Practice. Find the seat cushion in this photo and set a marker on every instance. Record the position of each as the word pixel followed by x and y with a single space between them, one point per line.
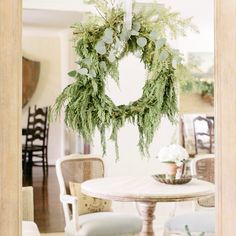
pixel 29 228
pixel 203 221
pixel 107 224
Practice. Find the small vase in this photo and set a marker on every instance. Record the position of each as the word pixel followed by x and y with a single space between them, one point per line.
pixel 170 168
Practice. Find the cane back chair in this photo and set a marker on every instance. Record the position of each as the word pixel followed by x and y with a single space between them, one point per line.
pixel 76 168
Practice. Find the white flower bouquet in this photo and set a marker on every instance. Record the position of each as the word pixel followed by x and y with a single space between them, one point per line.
pixel 173 153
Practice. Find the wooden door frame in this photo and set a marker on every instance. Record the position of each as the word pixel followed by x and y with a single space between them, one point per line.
pixel 10 116
pixel 225 113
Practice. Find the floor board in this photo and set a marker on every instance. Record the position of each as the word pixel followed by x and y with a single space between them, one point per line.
pixel 48 212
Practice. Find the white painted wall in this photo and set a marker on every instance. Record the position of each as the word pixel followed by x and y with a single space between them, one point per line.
pixel 53 49
pixel 44 47
pixel 202 13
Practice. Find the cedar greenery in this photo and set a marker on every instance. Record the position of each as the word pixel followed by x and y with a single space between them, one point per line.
pixel 100 44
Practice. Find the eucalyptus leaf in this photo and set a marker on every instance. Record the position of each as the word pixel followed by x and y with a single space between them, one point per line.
pixel 136 26
pixel 72 73
pixel 176 51
pixel 142 42
pixel 111 57
pixel 139 54
pixel 134 32
pixel 83 71
pixel 108 32
pixel 164 55
pixel 108 36
pixel 153 35
pixel 160 43
pixel 101 48
pixel 107 40
pixel 92 73
pixel 174 63
pixel 103 65
pixel 87 61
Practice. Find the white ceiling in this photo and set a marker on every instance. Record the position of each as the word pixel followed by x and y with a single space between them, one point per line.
pixel 63 14
pixel 50 18
pixel 58 13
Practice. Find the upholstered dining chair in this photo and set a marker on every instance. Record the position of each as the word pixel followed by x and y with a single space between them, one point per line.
pixel 77 168
pixel 202 219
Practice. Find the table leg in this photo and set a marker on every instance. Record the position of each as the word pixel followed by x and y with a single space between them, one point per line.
pixel 146 210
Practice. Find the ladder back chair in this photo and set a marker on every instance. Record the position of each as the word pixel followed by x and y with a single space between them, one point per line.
pixel 36 144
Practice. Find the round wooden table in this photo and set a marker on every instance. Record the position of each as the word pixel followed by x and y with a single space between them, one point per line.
pixel 146 192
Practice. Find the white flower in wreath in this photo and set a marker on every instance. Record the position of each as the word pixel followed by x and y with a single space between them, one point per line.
pixel 173 153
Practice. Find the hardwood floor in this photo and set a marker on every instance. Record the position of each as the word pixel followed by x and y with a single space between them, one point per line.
pixel 48 212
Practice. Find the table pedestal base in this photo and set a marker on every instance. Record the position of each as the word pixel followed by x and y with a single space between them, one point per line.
pixel 146 210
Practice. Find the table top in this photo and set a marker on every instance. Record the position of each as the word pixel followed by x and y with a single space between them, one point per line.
pixel 145 189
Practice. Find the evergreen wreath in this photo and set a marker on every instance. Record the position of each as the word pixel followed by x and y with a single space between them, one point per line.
pixel 100 43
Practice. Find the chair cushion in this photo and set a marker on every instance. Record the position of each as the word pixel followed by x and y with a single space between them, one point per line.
pixel 203 221
pixel 107 224
pixel 87 204
pixel 29 228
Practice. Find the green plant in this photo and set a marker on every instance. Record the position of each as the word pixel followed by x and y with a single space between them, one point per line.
pixel 188 232
pixel 205 87
pixel 100 44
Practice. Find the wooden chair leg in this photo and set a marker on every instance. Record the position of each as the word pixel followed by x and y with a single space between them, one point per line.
pixel 46 156
pixel 28 165
pixel 43 159
pixel 24 163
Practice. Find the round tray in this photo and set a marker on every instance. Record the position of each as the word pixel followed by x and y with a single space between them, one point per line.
pixel 170 179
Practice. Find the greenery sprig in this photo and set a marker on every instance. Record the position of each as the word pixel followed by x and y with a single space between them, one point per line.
pixel 189 234
pixel 100 43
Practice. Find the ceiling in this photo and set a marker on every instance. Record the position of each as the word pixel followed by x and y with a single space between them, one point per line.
pixel 58 16
pixel 50 18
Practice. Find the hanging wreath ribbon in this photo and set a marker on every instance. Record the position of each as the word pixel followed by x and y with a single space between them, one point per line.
pixel 128 14
pixel 100 44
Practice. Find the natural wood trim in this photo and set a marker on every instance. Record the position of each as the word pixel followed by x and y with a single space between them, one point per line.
pixel 225 112
pixel 10 113
pixel 217 106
